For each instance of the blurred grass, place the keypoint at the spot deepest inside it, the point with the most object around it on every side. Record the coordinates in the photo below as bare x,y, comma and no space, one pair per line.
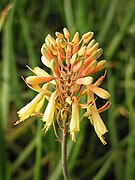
25,151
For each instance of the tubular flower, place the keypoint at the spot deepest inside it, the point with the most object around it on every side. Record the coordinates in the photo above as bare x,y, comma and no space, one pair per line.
75,120
73,63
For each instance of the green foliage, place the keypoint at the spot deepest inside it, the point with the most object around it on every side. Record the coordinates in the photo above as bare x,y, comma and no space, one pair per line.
25,151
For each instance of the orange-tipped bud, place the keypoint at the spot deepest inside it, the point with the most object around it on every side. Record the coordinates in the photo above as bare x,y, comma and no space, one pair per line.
66,33
55,68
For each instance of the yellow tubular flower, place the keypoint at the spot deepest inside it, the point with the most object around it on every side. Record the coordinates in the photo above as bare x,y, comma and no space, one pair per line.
95,119
49,112
29,109
72,63
75,120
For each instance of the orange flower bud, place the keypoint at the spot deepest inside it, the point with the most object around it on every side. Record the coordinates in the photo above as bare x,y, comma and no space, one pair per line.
55,68
89,68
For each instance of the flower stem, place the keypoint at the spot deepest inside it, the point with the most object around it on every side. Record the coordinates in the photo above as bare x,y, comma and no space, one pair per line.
64,152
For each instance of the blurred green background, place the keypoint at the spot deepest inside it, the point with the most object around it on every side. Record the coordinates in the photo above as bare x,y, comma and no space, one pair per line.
26,152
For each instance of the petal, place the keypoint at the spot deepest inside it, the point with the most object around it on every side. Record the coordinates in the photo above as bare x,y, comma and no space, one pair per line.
55,68
75,119
38,79
104,107
49,111
45,61
86,80
27,110
99,91
98,124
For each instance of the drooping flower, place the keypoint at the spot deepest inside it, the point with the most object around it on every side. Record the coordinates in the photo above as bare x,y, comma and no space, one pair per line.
73,63
75,119
49,111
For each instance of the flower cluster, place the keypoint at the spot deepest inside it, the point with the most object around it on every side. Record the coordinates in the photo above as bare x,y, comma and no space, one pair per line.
73,64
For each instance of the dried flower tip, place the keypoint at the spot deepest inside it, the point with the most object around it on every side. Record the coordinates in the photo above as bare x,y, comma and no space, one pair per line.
66,33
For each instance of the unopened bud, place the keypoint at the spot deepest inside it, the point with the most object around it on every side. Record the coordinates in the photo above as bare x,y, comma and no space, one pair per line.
62,43
91,43
66,33
59,35
89,68
74,59
78,65
92,49
82,51
53,49
55,68
52,40
96,54
88,34
75,39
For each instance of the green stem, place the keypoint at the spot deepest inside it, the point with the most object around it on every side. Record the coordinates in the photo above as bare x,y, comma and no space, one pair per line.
64,153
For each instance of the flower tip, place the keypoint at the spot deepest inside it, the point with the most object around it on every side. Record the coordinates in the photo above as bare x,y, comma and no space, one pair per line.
17,122
102,140
66,33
